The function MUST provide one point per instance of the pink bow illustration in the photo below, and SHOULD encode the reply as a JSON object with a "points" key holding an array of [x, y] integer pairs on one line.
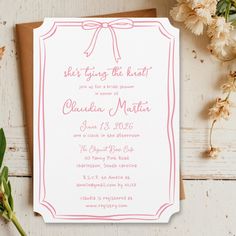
{"points": [[116, 24]]}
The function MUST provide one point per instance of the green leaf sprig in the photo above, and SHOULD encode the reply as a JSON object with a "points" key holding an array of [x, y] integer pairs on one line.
{"points": [[6, 199], [227, 9]]}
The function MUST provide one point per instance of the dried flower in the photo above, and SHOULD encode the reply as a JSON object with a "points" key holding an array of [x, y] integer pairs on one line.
{"points": [[219, 17], [194, 13], [234, 48], [180, 12], [195, 23], [219, 28], [230, 85], [221, 48], [220, 109], [221, 44], [213, 152], [2, 50], [233, 36]]}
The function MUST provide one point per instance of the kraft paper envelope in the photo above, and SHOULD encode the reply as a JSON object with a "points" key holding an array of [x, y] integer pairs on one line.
{"points": [[25, 46]]}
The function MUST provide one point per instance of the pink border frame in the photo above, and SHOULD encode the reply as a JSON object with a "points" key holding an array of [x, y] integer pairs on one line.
{"points": [[170, 131]]}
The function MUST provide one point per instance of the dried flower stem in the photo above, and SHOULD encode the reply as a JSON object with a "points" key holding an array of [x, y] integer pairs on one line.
{"points": [[233, 74], [211, 130]]}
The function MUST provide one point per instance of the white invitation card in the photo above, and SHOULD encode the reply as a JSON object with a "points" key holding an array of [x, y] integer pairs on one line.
{"points": [[106, 120]]}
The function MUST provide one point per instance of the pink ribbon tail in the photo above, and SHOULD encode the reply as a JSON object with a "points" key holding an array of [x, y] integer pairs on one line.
{"points": [[115, 48], [92, 44]]}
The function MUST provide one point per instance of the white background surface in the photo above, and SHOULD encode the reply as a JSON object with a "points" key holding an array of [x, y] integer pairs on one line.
{"points": [[210, 186]]}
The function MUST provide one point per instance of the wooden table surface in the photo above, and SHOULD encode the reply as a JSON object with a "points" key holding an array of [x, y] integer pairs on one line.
{"points": [[210, 185]]}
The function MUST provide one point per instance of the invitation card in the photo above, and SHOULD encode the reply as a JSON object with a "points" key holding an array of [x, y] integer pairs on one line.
{"points": [[106, 120]]}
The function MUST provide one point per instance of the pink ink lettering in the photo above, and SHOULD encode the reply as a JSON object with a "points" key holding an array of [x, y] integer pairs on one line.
{"points": [[71, 107], [136, 107]]}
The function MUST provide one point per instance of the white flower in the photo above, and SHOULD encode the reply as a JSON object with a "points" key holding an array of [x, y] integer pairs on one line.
{"points": [[233, 36], [219, 28], [181, 12], [194, 13], [221, 47], [222, 43], [208, 5], [195, 24]]}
